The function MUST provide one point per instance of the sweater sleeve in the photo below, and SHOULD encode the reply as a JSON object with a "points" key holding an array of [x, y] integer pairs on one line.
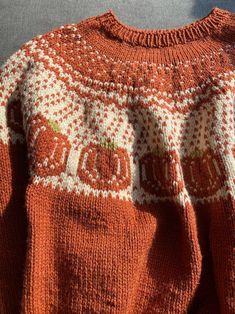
{"points": [[13, 181]]}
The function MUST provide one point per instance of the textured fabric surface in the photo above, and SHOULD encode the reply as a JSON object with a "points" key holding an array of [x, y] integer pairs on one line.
{"points": [[20, 20], [117, 158]]}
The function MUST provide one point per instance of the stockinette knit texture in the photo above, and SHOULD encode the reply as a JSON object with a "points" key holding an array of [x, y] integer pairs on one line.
{"points": [[117, 160]]}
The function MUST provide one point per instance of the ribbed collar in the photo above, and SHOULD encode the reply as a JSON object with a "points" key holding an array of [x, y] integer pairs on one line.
{"points": [[121, 41], [164, 37]]}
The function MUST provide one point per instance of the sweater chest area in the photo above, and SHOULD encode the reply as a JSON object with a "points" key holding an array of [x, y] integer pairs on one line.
{"points": [[130, 143]]}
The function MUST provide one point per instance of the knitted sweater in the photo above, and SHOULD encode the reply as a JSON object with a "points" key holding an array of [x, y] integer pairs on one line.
{"points": [[117, 158]]}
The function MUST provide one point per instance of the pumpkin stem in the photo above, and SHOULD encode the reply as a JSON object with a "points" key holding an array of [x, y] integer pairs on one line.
{"points": [[54, 125], [196, 153], [157, 151], [107, 144]]}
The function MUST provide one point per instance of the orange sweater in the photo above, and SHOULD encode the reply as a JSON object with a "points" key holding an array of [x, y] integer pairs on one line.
{"points": [[117, 160]]}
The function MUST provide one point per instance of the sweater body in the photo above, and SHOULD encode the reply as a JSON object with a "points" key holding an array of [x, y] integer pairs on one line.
{"points": [[117, 158]]}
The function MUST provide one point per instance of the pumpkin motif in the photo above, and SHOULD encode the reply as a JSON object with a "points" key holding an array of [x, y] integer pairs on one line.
{"points": [[104, 166], [160, 172], [49, 149], [203, 173]]}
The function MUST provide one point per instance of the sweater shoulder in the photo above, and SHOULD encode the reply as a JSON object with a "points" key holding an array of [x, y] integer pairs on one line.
{"points": [[56, 37]]}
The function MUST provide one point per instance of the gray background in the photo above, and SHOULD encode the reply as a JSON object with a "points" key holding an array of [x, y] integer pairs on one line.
{"points": [[21, 20]]}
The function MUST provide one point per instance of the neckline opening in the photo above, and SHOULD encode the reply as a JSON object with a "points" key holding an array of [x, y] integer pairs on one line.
{"points": [[162, 37], [119, 42]]}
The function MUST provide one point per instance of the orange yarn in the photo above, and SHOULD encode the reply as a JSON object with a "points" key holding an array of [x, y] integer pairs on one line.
{"points": [[117, 163]]}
